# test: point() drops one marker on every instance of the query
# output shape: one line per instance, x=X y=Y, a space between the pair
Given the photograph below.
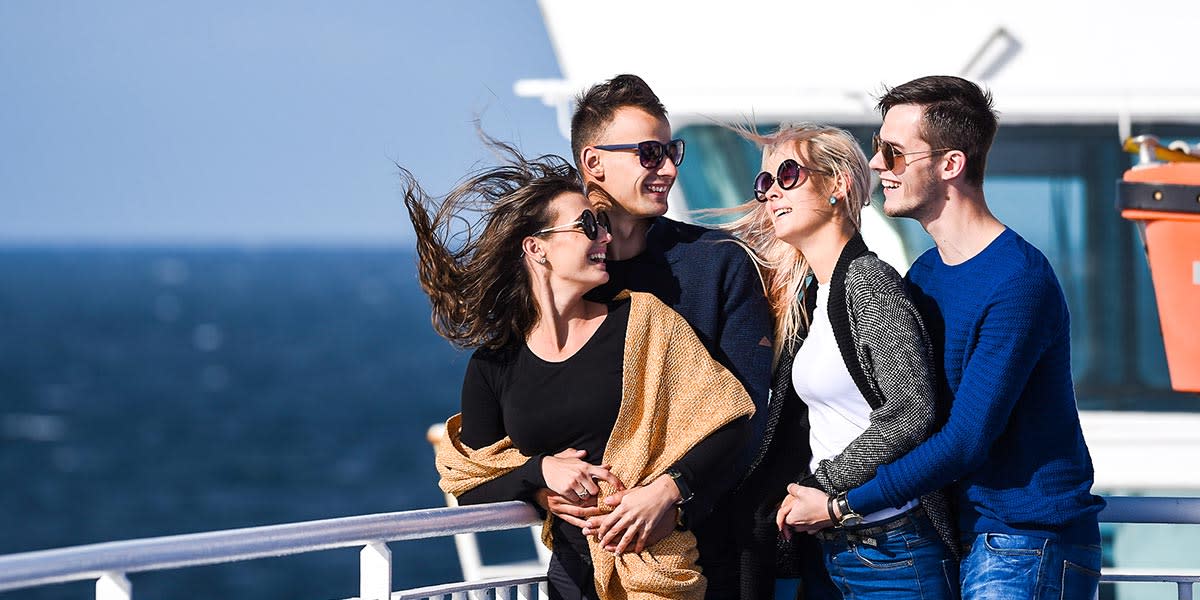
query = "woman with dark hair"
x=853 y=387
x=580 y=397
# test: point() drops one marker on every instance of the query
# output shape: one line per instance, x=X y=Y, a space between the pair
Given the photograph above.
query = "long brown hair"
x=826 y=148
x=480 y=288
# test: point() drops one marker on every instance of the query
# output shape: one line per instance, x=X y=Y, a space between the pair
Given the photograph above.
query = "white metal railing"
x=109 y=563
x=1122 y=509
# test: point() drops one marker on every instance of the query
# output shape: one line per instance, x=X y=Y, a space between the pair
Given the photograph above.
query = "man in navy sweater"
x=1011 y=453
x=621 y=141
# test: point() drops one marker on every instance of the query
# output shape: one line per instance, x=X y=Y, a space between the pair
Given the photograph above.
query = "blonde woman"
x=853 y=384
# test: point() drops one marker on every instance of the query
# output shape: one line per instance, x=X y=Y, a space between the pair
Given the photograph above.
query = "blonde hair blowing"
x=820 y=147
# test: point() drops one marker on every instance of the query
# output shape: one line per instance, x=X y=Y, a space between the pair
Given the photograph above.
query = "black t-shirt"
x=547 y=407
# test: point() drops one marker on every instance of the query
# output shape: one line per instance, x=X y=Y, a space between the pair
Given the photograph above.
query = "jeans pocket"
x=1079 y=582
x=950 y=572
x=1002 y=544
x=1002 y=566
x=882 y=559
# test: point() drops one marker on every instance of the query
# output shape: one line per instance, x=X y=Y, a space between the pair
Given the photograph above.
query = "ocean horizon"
x=150 y=390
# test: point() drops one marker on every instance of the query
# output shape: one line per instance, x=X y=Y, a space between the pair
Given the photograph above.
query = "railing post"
x=1185 y=590
x=113 y=586
x=375 y=572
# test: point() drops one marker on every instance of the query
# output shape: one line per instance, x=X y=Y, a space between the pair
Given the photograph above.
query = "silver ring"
x=582 y=494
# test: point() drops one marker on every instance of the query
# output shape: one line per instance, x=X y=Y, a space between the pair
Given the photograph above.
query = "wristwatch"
x=685 y=492
x=849 y=517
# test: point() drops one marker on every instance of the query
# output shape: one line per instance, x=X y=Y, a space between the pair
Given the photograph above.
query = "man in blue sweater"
x=1011 y=452
x=621 y=141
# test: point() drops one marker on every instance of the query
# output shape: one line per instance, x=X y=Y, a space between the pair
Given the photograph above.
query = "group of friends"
x=700 y=412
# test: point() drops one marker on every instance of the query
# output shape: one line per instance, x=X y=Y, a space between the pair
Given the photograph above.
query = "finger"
x=582 y=492
x=641 y=540
x=615 y=498
x=793 y=489
x=628 y=538
x=604 y=524
x=571 y=453
x=587 y=487
x=620 y=485
x=611 y=533
x=587 y=512
x=603 y=474
x=576 y=521
x=578 y=512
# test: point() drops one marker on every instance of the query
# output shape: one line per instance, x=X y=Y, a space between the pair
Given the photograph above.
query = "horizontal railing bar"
x=467 y=586
x=1136 y=509
x=75 y=563
x=1152 y=574
x=43 y=567
x=1109 y=577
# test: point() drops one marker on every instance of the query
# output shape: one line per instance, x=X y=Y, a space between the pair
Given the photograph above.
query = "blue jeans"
x=902 y=557
x=1000 y=565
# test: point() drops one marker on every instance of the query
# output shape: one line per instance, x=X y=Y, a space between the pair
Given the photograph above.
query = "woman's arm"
x=891 y=336
x=482 y=426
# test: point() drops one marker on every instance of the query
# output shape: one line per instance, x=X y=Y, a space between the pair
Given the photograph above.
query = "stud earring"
x=832 y=200
x=541 y=260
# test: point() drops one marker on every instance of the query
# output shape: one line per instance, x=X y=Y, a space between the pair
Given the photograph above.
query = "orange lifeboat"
x=1162 y=195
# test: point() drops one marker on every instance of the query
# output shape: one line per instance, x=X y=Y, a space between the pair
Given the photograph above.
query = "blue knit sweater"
x=1012 y=450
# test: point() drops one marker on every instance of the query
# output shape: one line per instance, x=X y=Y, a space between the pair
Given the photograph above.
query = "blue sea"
x=149 y=391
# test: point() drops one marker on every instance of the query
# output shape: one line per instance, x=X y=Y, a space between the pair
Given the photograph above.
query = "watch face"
x=851 y=520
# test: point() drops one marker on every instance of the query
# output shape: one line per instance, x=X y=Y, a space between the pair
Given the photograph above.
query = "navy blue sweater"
x=1012 y=447
x=713 y=283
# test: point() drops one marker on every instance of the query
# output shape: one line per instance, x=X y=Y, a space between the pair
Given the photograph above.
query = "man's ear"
x=589 y=160
x=954 y=164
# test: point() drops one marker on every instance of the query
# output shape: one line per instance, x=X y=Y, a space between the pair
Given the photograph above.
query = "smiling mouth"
x=597 y=257
x=890 y=185
x=659 y=188
x=781 y=212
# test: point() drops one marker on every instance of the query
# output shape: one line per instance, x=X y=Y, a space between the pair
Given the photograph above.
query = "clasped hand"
x=573 y=489
x=640 y=518
x=804 y=510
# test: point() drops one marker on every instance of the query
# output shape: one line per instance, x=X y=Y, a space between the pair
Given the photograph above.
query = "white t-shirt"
x=837 y=411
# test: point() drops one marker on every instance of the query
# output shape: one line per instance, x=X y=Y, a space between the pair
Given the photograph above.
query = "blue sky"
x=252 y=122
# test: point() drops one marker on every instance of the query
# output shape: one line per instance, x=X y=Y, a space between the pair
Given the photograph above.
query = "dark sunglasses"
x=789 y=175
x=588 y=223
x=889 y=153
x=651 y=152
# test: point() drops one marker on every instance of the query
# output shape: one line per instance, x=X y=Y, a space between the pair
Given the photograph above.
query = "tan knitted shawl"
x=673 y=395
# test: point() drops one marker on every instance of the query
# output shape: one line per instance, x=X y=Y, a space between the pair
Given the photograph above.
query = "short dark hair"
x=594 y=109
x=956 y=114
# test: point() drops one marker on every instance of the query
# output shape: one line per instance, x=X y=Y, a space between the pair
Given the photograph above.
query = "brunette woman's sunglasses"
x=588 y=223
x=652 y=152
x=789 y=175
x=888 y=151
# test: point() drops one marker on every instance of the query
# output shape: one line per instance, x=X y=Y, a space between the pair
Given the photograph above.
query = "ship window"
x=1056 y=186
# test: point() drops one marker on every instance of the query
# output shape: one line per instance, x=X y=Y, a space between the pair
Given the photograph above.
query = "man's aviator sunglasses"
x=789 y=175
x=588 y=223
x=888 y=151
x=652 y=152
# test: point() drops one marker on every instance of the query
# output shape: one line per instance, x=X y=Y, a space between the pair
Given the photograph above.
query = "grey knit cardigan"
x=887 y=350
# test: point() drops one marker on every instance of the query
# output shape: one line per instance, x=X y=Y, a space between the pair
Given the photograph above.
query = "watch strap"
x=685 y=491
